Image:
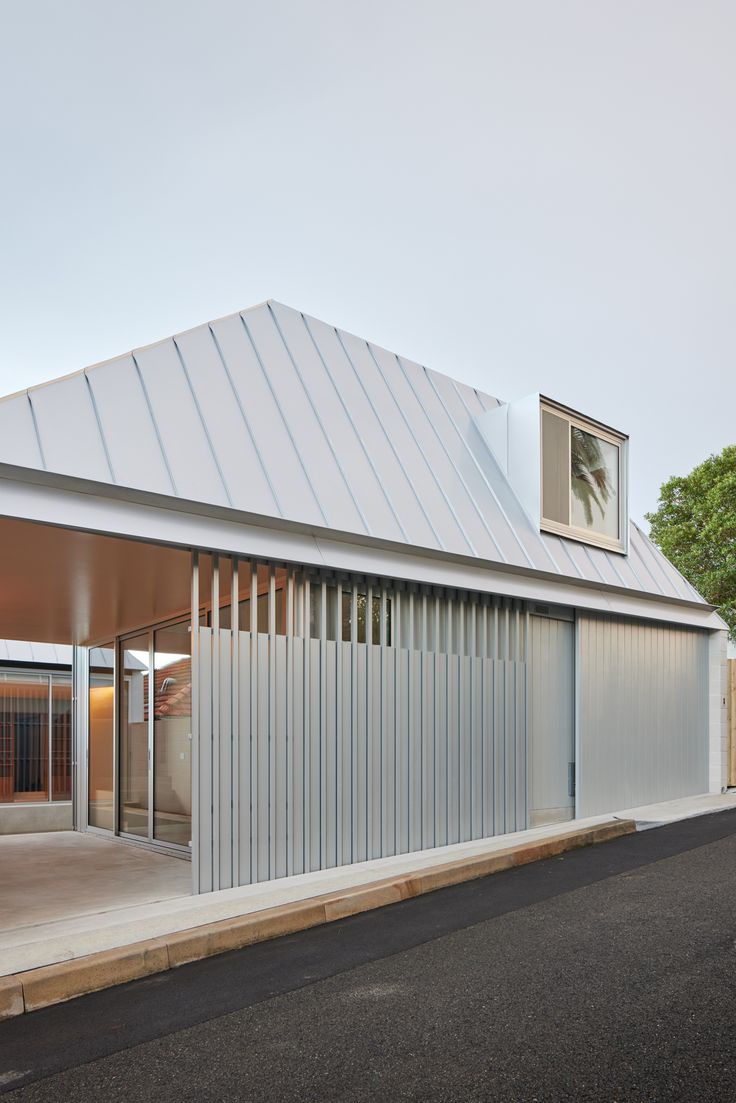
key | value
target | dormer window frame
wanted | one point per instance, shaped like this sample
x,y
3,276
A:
x,y
604,433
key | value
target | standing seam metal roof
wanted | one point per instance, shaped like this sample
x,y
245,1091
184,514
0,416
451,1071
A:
x,y
275,413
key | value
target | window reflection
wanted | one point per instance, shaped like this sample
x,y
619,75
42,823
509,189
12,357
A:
x,y
172,728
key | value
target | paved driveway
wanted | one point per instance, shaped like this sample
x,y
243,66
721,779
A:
x,y
605,974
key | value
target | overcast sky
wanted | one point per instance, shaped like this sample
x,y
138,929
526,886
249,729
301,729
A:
x,y
525,195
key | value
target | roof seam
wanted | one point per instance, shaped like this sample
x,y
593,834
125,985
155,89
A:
x,y
36,429
409,482
420,450
205,430
658,555
358,435
646,566
245,420
497,500
154,422
443,446
330,445
99,427
286,425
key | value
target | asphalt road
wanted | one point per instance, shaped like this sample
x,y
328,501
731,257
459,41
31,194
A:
x,y
605,974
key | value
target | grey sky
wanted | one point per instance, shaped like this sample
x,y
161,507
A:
x,y
527,195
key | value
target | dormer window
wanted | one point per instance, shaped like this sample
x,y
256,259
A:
x,y
582,478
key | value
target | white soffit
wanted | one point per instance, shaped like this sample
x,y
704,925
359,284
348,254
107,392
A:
x,y
277,414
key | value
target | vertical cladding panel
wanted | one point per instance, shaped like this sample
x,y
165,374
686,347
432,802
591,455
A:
x,y
427,735
509,745
499,748
415,751
280,757
520,704
487,768
205,760
402,750
347,760
263,805
442,669
360,759
412,749
329,751
244,760
643,713
465,747
296,764
388,796
314,649
225,735
375,764
453,749
476,750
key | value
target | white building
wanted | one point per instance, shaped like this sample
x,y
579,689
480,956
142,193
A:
x,y
422,616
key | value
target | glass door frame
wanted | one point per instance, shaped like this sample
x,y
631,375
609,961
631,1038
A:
x,y
148,841
120,643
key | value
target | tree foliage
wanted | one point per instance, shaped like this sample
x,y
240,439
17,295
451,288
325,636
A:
x,y
695,526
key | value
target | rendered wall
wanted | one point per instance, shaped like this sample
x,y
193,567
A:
x,y
321,753
642,713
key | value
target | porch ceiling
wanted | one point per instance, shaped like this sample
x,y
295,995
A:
x,y
63,586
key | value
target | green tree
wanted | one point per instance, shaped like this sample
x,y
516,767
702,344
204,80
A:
x,y
695,526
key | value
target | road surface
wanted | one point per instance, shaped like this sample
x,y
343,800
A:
x,y
606,974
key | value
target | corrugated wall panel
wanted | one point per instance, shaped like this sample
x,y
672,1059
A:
x,y
642,720
349,751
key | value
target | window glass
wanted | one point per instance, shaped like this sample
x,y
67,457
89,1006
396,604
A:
x,y
61,737
24,736
101,706
556,476
581,475
134,738
594,467
172,734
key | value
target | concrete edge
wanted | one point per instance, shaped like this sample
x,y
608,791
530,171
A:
x,y
50,984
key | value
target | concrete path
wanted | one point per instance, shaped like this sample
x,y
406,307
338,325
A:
x,y
115,909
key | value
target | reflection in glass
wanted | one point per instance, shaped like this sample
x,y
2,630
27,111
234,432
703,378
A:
x,y
134,738
61,737
172,724
24,743
594,479
101,705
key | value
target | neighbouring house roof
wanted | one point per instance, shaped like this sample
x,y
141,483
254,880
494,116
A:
x,y
274,413
22,652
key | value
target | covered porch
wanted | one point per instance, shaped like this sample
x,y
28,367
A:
x,y
124,606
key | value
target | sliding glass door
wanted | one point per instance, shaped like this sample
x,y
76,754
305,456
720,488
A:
x,y
135,737
139,732
172,734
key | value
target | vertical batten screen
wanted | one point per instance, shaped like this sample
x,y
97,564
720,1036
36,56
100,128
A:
x,y
334,746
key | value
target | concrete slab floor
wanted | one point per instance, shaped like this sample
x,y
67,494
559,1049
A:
x,y
61,875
